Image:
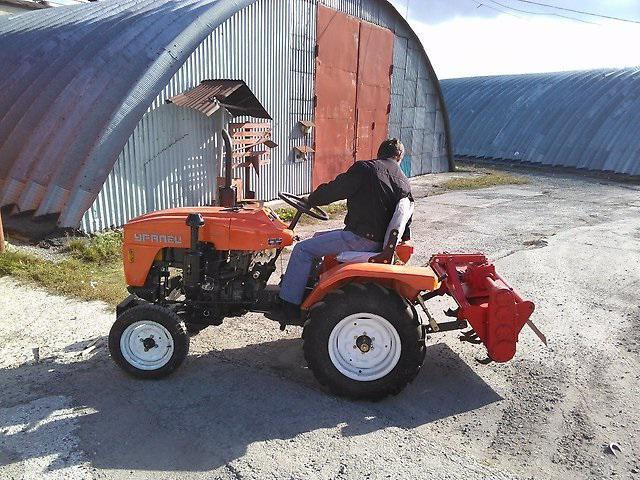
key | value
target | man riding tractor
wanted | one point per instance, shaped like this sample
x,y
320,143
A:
x,y
373,190
190,268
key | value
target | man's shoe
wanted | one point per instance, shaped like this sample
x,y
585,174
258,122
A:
x,y
286,313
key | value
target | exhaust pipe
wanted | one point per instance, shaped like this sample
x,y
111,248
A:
x,y
227,195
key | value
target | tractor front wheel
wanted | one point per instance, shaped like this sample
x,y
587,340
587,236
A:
x,y
148,341
363,342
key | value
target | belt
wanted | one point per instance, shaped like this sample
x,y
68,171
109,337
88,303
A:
x,y
364,233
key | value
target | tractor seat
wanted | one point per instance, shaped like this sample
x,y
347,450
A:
x,y
404,251
401,251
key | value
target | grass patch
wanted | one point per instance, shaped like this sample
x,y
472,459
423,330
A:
x,y
286,214
102,280
100,249
484,179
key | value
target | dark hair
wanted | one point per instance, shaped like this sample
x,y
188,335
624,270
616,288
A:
x,y
391,148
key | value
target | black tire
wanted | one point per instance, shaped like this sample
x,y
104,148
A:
x,y
373,299
153,314
423,337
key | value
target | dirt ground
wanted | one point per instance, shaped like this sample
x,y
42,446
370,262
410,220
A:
x,y
244,406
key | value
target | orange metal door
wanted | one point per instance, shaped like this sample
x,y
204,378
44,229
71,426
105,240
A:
x,y
353,92
374,89
336,80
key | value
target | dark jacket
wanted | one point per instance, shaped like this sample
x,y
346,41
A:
x,y
372,189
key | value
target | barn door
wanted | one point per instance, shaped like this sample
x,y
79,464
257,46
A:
x,y
353,91
373,103
336,80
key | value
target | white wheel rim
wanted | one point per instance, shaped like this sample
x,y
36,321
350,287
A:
x,y
147,345
364,347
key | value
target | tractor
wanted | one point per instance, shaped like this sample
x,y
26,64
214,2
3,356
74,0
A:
x,y
365,316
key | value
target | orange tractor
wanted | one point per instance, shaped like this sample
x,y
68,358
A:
x,y
365,323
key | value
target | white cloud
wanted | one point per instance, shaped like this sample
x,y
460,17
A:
x,y
467,46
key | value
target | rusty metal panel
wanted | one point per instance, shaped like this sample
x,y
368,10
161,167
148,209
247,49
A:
x,y
353,81
234,95
413,75
374,89
409,54
336,80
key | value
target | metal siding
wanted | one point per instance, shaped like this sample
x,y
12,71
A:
x,y
70,104
176,167
440,160
586,120
400,54
302,44
274,55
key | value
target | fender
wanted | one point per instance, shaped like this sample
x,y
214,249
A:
x,y
408,282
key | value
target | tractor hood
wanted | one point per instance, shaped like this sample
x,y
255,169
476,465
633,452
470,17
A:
x,y
226,229
247,229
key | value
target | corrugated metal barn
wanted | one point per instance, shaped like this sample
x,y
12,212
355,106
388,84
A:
x,y
87,136
585,120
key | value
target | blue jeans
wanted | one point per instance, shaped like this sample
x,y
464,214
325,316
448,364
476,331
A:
x,y
305,253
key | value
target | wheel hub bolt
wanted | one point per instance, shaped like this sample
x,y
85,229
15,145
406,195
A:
x,y
149,343
364,343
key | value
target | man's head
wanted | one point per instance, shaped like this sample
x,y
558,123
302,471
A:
x,y
392,148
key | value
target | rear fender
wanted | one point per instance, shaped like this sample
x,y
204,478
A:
x,y
408,282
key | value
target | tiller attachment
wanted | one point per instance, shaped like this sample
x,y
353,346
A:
x,y
495,311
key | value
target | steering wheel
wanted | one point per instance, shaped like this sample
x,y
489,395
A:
x,y
303,207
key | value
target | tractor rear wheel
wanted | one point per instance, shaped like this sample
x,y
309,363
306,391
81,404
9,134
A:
x,y
148,341
363,342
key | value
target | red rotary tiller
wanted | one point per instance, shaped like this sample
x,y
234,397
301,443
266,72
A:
x,y
493,309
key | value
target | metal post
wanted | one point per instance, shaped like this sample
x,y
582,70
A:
x,y
227,195
221,123
1,234
247,186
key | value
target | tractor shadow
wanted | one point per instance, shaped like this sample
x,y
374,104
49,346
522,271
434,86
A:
x,y
211,410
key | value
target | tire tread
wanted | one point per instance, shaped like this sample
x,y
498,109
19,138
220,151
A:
x,y
167,318
325,315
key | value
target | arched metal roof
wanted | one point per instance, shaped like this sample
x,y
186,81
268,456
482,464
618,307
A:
x,y
74,83
588,120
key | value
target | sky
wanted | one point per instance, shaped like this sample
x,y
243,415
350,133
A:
x,y
466,38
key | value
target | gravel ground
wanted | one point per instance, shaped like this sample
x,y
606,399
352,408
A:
x,y
244,406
